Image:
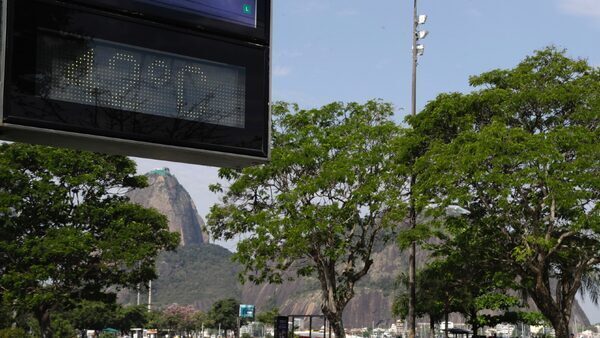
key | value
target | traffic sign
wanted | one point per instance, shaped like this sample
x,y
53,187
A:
x,y
246,311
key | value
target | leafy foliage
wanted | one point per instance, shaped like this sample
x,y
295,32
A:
x,y
224,313
66,231
268,317
329,194
526,162
93,315
13,333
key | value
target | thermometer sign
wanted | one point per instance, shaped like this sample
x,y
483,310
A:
x,y
111,75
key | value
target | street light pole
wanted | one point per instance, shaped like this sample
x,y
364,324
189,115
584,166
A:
x,y
415,59
417,50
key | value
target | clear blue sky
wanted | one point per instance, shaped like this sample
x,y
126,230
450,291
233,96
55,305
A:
x,y
355,50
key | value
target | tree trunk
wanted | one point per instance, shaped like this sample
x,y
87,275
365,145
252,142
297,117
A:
x,y
431,327
558,312
412,266
42,315
446,332
333,304
475,328
336,322
561,328
474,323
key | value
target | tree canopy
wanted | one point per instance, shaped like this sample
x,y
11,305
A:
x,y
224,314
67,233
268,317
329,194
525,160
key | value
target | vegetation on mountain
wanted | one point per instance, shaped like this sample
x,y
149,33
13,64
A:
x,y
329,194
526,162
197,275
67,234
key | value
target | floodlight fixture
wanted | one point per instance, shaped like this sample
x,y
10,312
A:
x,y
422,35
422,19
420,49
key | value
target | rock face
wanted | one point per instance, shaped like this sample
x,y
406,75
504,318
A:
x,y
165,194
373,299
199,274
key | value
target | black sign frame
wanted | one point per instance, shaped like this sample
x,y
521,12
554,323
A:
x,y
260,34
281,327
214,145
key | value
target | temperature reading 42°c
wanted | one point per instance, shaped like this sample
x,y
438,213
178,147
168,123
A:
x,y
123,77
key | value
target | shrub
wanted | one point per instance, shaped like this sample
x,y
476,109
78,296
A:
x,y
13,333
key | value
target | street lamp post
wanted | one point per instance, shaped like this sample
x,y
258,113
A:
x,y
417,50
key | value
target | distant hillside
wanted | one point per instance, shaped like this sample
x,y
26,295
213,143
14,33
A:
x,y
197,275
200,274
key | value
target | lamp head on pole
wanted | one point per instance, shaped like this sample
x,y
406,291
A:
x,y
422,19
420,49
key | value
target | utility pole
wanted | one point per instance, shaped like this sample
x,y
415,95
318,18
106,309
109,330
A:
x,y
149,296
417,50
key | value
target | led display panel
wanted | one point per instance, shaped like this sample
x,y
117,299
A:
x,y
110,75
146,89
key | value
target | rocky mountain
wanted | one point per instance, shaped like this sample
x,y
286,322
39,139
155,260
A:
x,y
165,194
374,294
372,302
199,273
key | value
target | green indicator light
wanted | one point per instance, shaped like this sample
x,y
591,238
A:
x,y
247,9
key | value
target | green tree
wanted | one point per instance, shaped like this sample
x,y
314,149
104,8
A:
x,y
61,327
200,321
328,196
5,315
433,296
526,163
92,315
13,333
128,317
440,122
466,260
268,317
224,314
155,319
483,291
67,233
